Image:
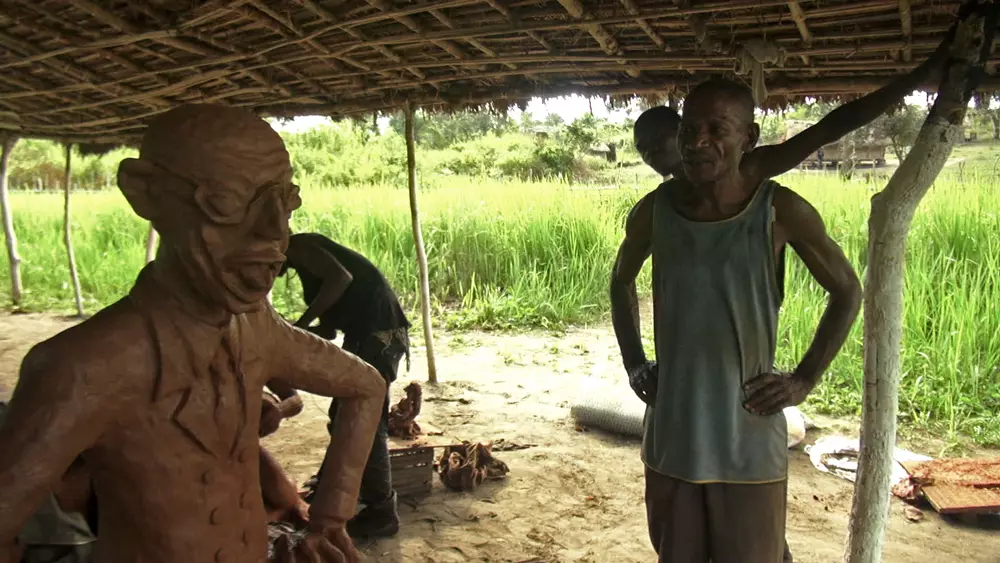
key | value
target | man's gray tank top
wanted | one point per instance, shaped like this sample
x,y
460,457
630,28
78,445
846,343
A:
x,y
715,300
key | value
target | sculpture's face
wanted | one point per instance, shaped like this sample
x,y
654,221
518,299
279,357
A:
x,y
217,184
240,233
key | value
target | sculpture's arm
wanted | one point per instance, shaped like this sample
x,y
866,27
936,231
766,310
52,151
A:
x,y
58,410
309,363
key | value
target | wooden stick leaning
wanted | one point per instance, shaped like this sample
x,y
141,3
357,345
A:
x,y
68,230
418,240
14,259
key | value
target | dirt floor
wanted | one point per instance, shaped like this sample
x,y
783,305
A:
x,y
573,496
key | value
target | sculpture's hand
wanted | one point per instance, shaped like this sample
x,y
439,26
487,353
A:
x,y
270,415
326,545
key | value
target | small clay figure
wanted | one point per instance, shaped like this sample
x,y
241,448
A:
x,y
161,391
403,415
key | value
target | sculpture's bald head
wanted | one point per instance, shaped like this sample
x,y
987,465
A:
x,y
209,141
216,183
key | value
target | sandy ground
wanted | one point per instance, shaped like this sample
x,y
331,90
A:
x,y
575,495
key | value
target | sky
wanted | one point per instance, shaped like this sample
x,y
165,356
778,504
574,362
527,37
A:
x,y
568,108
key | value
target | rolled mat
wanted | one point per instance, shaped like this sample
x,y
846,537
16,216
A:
x,y
614,408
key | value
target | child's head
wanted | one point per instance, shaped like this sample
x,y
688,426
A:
x,y
655,135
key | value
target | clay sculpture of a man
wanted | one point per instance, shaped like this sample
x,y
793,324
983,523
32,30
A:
x,y
161,391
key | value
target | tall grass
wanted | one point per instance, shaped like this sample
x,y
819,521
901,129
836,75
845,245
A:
x,y
515,255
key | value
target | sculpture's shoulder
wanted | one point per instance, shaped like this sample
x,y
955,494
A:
x,y
265,322
104,347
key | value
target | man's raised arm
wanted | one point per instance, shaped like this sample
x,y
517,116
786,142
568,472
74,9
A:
x,y
317,366
772,160
58,410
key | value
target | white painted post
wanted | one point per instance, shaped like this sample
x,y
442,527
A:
x,y
418,239
892,212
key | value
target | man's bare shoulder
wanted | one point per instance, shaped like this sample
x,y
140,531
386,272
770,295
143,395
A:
x,y
114,340
795,215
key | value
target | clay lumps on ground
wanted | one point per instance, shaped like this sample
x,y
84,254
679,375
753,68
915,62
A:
x,y
402,416
465,467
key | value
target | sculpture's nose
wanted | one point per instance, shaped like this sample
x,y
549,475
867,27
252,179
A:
x,y
272,223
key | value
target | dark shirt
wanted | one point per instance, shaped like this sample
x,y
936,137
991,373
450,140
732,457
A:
x,y
368,304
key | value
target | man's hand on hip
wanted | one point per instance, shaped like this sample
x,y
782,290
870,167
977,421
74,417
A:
x,y
769,393
643,380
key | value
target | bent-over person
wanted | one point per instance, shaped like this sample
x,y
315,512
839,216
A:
x,y
349,295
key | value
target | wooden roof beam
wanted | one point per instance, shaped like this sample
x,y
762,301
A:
x,y
604,39
385,7
514,19
906,26
121,60
75,73
263,12
799,17
633,9
384,50
109,19
447,22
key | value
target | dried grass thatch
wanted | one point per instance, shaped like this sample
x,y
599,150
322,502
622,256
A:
x,y
96,70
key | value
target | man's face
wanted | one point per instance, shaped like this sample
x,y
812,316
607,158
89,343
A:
x,y
658,148
714,134
234,232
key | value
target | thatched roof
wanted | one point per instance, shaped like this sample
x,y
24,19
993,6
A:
x,y
96,70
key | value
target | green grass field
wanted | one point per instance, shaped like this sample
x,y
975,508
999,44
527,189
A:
x,y
518,255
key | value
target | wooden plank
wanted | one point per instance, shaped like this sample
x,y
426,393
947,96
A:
x,y
431,437
958,499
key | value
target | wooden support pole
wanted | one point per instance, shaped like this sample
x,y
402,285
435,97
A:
x,y
151,244
906,26
800,22
16,290
68,231
418,240
891,214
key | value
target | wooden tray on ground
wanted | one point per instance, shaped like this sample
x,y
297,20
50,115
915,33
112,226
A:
x,y
431,437
412,461
958,499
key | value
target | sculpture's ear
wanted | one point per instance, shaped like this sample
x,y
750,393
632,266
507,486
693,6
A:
x,y
135,178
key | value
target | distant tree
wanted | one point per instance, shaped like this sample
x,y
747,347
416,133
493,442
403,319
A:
x,y
553,120
901,128
442,130
584,132
772,128
988,110
527,121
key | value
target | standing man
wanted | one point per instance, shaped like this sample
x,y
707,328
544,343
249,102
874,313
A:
x,y
347,293
715,440
655,135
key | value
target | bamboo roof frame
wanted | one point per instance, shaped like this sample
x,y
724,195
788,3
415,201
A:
x,y
87,71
